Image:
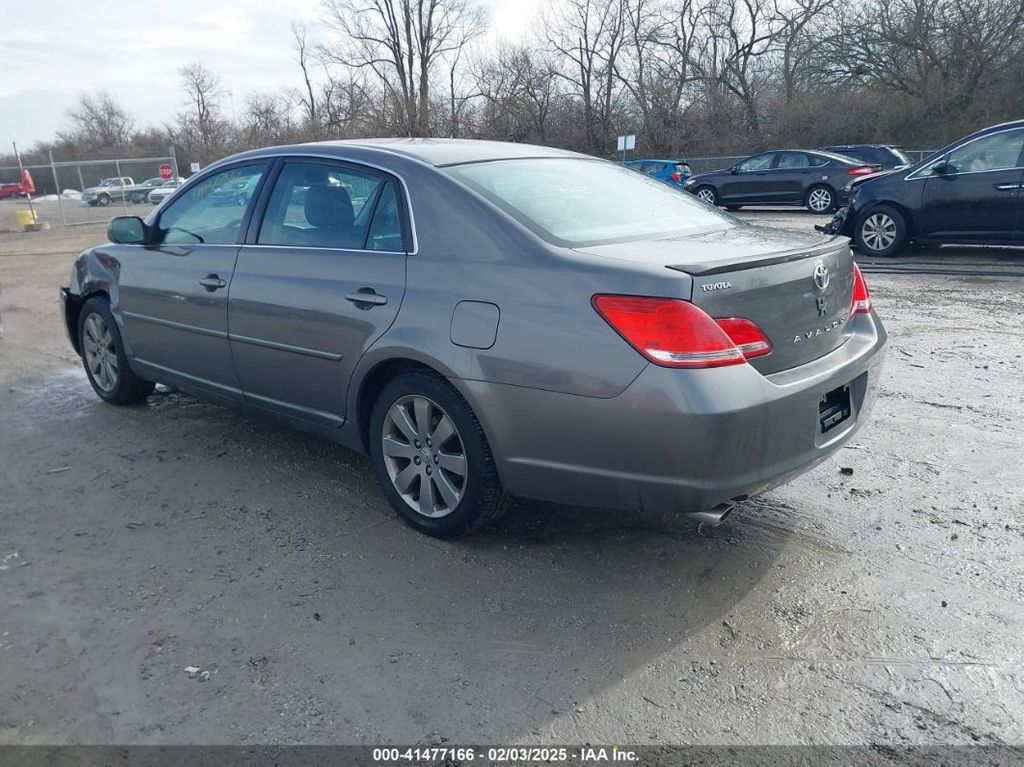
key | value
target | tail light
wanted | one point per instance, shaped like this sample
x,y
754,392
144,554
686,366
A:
x,y
862,171
676,176
861,299
675,333
747,336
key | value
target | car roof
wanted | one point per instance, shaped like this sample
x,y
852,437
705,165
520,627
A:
x,y
438,152
858,146
831,155
821,152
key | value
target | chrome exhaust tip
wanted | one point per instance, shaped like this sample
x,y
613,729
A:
x,y
714,516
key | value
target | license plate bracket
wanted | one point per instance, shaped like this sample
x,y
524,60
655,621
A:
x,y
834,408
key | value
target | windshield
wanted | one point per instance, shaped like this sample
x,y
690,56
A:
x,y
585,202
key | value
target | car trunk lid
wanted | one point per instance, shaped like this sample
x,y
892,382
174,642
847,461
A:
x,y
797,287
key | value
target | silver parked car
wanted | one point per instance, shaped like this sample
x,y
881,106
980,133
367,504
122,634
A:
x,y
165,190
489,320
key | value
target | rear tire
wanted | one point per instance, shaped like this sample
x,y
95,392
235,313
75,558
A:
x,y
820,199
432,459
104,357
706,193
881,231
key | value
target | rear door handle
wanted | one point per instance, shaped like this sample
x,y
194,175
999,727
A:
x,y
212,282
367,297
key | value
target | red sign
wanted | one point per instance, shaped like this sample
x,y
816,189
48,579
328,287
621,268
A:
x,y
166,171
28,186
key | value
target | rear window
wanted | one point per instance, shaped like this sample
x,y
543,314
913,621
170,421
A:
x,y
587,202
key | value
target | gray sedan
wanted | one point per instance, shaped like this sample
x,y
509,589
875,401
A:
x,y
488,320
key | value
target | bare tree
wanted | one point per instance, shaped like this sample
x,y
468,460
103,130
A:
x,y
99,121
267,119
203,122
517,88
589,36
940,50
303,49
402,42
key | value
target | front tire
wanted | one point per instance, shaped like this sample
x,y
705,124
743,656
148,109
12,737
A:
x,y
820,199
881,231
104,357
706,194
432,459
103,200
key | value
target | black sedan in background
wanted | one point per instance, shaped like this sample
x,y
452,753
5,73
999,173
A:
x,y
970,192
803,177
886,155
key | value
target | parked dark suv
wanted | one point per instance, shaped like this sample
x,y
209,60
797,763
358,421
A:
x,y
885,155
968,192
803,177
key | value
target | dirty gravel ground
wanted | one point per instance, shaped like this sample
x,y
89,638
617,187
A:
x,y
885,606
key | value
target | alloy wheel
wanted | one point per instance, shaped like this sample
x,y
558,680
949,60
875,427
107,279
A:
x,y
819,200
424,456
706,195
100,352
878,231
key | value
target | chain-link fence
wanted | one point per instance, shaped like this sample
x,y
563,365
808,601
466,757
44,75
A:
x,y
91,191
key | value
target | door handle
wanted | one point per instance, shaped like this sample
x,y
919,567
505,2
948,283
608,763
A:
x,y
1007,187
367,297
212,282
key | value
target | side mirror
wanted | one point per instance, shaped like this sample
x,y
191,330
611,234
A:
x,y
734,169
943,168
126,230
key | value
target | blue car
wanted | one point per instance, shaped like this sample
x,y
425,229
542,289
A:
x,y
672,172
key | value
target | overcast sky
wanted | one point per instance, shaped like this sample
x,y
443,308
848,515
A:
x,y
52,50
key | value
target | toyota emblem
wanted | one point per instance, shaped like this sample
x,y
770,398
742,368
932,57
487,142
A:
x,y
821,277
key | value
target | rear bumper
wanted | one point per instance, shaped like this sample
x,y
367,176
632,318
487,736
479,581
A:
x,y
678,440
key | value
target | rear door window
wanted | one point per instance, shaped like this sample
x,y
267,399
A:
x,y
322,205
386,225
793,160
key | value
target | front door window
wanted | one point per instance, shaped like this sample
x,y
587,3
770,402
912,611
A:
x,y
758,162
211,212
999,151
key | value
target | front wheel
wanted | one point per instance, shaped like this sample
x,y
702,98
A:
x,y
881,231
820,199
432,459
104,200
106,363
707,194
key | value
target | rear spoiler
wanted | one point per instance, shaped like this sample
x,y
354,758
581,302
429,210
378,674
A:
x,y
746,262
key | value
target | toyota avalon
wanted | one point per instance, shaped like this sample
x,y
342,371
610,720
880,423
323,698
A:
x,y
489,320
